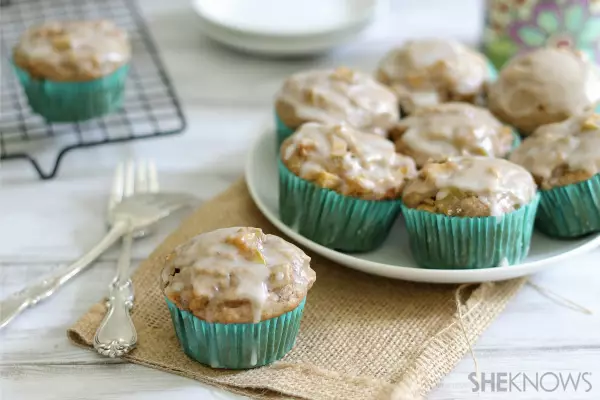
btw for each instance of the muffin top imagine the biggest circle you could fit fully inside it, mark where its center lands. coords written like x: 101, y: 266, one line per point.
x: 72, y: 51
x: 237, y: 275
x: 470, y: 186
x: 334, y: 96
x: 353, y: 163
x: 451, y: 129
x: 432, y: 71
x: 562, y: 153
x: 544, y: 86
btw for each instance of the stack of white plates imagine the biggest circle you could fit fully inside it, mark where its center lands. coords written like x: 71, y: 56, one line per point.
x: 284, y: 27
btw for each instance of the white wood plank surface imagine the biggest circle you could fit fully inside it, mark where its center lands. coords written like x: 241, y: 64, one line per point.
x: 226, y: 97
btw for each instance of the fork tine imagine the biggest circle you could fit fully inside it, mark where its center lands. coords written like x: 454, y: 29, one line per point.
x: 141, y: 181
x: 129, y: 185
x: 153, y: 185
x: 116, y: 194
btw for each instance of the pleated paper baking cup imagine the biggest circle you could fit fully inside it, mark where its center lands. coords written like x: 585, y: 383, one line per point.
x: 236, y: 346
x: 283, y: 131
x: 331, y: 219
x: 443, y: 242
x: 74, y: 101
x: 570, y: 211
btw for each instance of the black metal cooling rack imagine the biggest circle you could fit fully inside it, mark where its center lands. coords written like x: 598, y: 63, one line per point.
x: 150, y: 108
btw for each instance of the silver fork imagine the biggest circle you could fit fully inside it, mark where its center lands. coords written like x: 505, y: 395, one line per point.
x: 146, y: 209
x: 116, y: 334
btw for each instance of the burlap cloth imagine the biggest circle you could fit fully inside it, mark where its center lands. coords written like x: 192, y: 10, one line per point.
x: 362, y: 336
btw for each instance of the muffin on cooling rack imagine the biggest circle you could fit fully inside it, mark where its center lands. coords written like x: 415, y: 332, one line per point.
x: 330, y: 96
x: 544, y: 86
x: 452, y: 129
x: 340, y: 187
x: 470, y: 212
x: 427, y: 72
x: 236, y: 296
x: 73, y: 70
x: 564, y: 159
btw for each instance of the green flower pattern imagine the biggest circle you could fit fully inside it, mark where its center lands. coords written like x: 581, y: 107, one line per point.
x: 516, y: 26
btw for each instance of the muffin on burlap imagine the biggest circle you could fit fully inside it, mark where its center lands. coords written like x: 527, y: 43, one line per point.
x: 236, y: 296
x: 427, y: 72
x: 544, y: 86
x: 331, y: 96
x: 564, y: 159
x: 452, y: 129
x: 470, y: 212
x: 73, y: 70
x: 340, y: 187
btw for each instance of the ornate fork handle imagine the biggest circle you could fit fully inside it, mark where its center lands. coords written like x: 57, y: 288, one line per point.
x: 116, y: 334
x: 31, y: 295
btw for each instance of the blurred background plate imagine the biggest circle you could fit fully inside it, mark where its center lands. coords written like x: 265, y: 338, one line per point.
x: 285, y: 27
x: 393, y: 259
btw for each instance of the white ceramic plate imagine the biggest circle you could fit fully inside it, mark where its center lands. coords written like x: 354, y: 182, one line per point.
x: 284, y: 27
x: 393, y: 258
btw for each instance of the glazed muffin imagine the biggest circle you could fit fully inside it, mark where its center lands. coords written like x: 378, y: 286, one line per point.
x: 564, y: 159
x: 331, y: 96
x: 451, y: 129
x: 236, y: 296
x: 339, y: 186
x: 470, y: 212
x: 427, y: 72
x: 73, y: 70
x: 544, y: 86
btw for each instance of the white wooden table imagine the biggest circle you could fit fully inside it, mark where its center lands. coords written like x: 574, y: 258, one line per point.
x: 226, y: 95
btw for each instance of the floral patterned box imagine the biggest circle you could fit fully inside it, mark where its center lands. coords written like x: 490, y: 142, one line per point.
x: 517, y: 26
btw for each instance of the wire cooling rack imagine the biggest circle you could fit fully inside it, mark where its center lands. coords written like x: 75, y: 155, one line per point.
x: 150, y: 107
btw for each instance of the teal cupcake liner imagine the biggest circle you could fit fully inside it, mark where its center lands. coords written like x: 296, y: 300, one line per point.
x: 331, y: 219
x: 283, y: 132
x: 492, y: 71
x: 570, y: 211
x: 443, y: 242
x: 516, y: 140
x: 236, y: 346
x: 74, y: 101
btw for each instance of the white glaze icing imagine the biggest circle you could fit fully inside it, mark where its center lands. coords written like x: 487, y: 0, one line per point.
x: 498, y: 183
x: 423, y: 72
x: 574, y: 143
x: 94, y: 48
x: 341, y: 95
x: 544, y: 86
x: 453, y: 129
x: 348, y: 159
x: 238, y: 264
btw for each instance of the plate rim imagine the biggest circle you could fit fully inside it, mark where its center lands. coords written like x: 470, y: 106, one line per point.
x: 407, y: 273
x: 352, y: 24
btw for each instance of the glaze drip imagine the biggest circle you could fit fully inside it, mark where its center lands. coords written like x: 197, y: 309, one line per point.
x: 499, y: 184
x: 451, y: 129
x: 72, y: 50
x: 338, y: 157
x: 234, y: 266
x: 574, y: 144
x: 341, y: 94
